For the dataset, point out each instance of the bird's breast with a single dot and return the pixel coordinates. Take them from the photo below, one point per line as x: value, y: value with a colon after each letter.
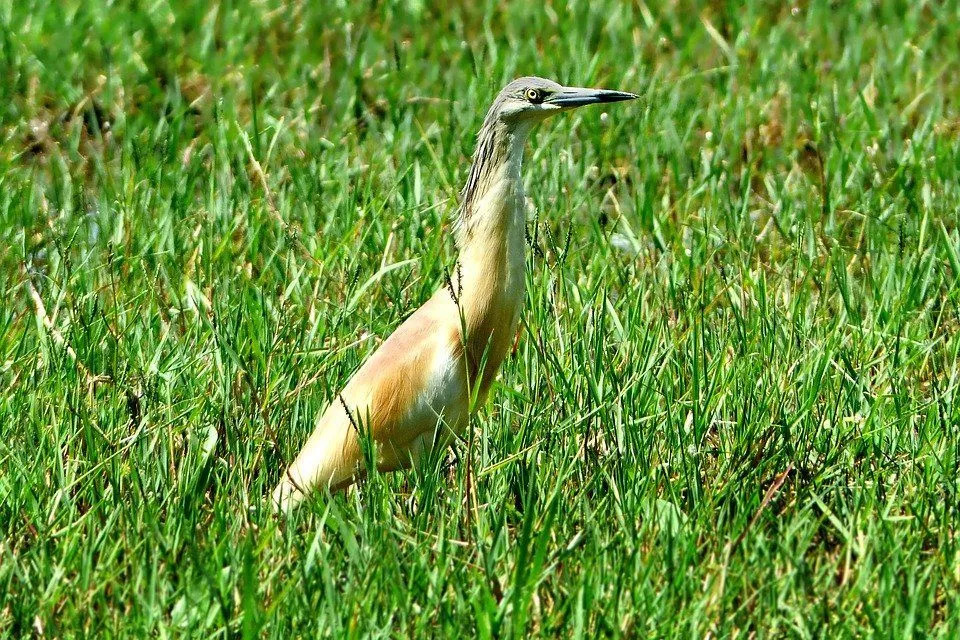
x: 490, y: 278
x: 491, y: 302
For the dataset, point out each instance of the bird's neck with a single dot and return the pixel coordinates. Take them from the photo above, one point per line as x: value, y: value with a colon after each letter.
x: 489, y: 283
x: 491, y: 202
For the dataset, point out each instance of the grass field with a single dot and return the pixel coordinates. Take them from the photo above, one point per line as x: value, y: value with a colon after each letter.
x: 734, y: 408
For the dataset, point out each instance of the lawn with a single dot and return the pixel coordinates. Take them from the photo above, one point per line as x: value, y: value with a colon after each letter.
x: 734, y: 407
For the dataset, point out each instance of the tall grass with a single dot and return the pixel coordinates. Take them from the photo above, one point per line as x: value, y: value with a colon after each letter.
x: 733, y: 408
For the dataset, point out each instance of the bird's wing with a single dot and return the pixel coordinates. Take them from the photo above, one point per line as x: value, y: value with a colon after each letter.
x: 399, y: 394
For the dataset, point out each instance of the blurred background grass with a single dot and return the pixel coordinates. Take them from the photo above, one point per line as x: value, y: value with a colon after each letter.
x: 733, y: 408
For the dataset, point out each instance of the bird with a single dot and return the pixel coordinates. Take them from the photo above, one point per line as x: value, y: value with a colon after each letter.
x: 417, y: 390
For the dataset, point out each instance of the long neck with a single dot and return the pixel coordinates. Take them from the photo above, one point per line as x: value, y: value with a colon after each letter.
x: 496, y: 166
x: 490, y: 267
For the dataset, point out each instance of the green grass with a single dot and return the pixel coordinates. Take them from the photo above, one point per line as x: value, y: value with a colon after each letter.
x: 734, y: 406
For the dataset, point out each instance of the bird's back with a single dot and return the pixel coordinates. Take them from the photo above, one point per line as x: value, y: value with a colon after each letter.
x: 414, y: 384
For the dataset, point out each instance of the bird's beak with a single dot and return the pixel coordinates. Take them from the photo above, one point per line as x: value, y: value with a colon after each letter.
x: 570, y: 97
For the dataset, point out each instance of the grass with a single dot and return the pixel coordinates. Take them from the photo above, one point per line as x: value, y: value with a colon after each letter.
x: 733, y: 410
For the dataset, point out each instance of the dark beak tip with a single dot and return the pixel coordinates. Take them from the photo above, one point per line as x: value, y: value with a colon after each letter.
x: 619, y: 96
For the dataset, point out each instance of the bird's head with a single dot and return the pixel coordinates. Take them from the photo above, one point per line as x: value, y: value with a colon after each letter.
x: 532, y: 99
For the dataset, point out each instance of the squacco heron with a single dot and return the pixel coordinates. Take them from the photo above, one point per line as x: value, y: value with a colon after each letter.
x: 418, y: 388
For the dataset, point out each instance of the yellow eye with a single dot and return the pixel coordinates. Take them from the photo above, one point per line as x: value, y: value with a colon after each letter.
x: 534, y: 96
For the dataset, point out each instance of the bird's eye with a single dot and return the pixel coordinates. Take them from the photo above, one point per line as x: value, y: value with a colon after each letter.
x: 534, y: 96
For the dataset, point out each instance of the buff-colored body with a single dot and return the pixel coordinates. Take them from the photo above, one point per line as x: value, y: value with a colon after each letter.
x: 417, y: 389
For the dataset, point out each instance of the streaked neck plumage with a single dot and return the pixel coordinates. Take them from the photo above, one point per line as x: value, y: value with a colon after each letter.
x: 497, y: 157
x: 490, y: 267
